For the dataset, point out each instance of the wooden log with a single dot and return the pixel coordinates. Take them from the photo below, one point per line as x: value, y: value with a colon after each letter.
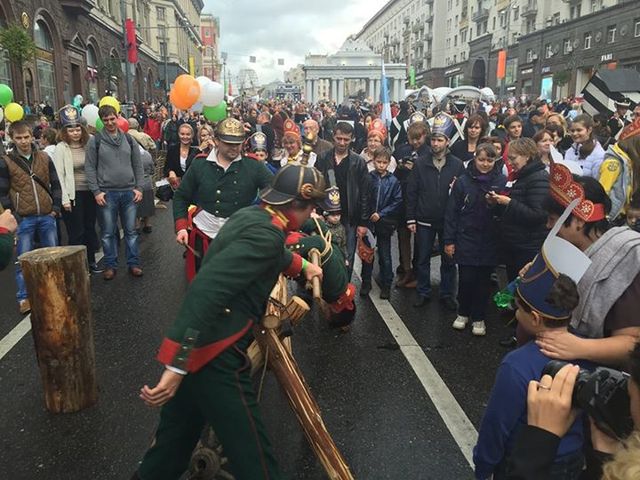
x: 296, y: 309
x: 314, y: 255
x: 57, y: 280
x: 303, y: 404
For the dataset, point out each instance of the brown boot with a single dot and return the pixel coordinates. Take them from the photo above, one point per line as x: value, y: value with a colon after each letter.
x: 410, y: 280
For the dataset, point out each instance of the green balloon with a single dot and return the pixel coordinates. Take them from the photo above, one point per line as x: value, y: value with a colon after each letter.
x: 217, y: 113
x: 99, y: 124
x: 6, y: 95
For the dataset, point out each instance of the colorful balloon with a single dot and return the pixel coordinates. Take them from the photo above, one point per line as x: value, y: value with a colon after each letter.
x: 13, y: 112
x: 90, y: 114
x: 6, y: 95
x: 110, y: 101
x: 99, y: 125
x: 77, y: 101
x: 212, y: 94
x: 217, y: 113
x: 1, y: 114
x: 122, y: 124
x: 185, y: 92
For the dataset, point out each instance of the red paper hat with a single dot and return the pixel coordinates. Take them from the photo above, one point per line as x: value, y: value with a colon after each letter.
x: 290, y: 128
x: 631, y: 130
x: 564, y: 189
x: 378, y: 128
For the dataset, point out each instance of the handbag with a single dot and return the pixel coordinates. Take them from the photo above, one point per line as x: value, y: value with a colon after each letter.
x: 164, y: 193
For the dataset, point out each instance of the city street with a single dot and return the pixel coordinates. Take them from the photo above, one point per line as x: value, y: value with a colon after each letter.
x: 397, y: 391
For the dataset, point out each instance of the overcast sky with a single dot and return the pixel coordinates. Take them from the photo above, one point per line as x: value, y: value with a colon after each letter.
x: 285, y: 29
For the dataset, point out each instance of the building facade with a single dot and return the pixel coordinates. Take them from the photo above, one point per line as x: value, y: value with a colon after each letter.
x: 455, y: 42
x: 80, y: 48
x: 210, y: 35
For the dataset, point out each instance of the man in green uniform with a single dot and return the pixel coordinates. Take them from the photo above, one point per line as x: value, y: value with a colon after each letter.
x: 8, y: 226
x: 207, y: 374
x: 218, y: 185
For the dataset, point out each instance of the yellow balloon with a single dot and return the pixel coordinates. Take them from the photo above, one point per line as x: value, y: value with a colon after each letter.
x: 110, y: 101
x: 13, y: 112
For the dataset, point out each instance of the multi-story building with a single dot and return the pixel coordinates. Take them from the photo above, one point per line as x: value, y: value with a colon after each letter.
x: 454, y: 42
x: 80, y: 48
x: 210, y: 35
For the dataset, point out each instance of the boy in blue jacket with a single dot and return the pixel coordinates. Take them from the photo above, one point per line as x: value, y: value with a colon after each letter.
x: 545, y: 298
x: 385, y: 201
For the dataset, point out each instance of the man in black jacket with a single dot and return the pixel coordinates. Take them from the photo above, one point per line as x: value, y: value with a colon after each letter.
x: 427, y: 192
x: 352, y: 179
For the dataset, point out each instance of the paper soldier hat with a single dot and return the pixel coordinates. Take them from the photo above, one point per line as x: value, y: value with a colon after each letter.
x: 625, y: 102
x: 258, y: 141
x: 69, y: 116
x: 564, y: 189
x: 230, y: 130
x: 378, y: 128
x: 290, y: 128
x: 294, y: 182
x: 557, y: 256
x: 331, y: 203
x: 442, y: 125
x: 417, y: 117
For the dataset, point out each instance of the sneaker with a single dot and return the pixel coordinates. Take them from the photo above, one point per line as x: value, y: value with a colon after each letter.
x: 24, y: 306
x: 94, y: 268
x: 479, y: 329
x: 365, y: 288
x: 384, y: 293
x: 460, y: 322
x: 421, y: 301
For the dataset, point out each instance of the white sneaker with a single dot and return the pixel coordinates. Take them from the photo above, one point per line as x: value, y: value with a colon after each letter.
x: 460, y: 322
x: 479, y: 329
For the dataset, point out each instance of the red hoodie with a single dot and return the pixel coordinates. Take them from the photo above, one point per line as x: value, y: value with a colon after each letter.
x: 152, y: 128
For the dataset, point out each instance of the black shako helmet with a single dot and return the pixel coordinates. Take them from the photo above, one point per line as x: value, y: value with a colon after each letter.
x: 294, y: 182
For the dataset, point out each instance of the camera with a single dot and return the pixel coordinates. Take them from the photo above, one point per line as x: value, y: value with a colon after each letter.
x: 603, y: 395
x: 409, y: 161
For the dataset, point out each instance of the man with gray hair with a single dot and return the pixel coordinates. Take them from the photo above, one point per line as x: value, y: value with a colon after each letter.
x: 142, y: 138
x: 320, y: 146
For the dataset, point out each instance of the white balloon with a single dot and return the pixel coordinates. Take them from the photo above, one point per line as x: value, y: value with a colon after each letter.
x: 197, y: 107
x: 211, y: 94
x: 90, y: 114
x: 1, y: 114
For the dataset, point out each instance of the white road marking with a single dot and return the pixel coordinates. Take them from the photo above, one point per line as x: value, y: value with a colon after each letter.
x: 12, y: 338
x: 454, y: 417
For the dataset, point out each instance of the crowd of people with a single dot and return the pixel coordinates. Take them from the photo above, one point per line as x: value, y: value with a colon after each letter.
x: 481, y: 185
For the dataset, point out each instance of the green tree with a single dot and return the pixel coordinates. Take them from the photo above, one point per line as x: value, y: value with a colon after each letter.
x: 561, y: 78
x: 18, y: 43
x: 110, y: 68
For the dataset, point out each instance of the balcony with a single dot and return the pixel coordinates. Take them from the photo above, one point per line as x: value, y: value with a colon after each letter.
x: 481, y: 15
x: 78, y: 7
x: 464, y: 23
x: 530, y: 10
x: 428, y: 37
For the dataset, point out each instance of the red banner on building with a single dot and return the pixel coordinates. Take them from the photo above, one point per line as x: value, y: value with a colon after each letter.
x: 502, y: 65
x: 132, y: 46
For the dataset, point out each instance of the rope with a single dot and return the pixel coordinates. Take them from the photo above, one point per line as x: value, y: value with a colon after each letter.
x: 327, y: 237
x: 264, y: 372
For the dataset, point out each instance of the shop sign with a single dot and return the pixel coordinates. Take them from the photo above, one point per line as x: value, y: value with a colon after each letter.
x: 526, y: 71
x: 452, y: 71
x: 606, y: 57
x: 546, y: 69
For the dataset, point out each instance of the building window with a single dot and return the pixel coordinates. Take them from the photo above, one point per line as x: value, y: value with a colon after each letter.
x: 92, y: 70
x: 567, y: 47
x: 44, y: 63
x: 611, y: 34
x: 455, y: 40
x: 596, y: 5
x: 160, y: 13
x: 636, y: 31
x: 587, y: 40
x: 529, y: 55
x: 548, y: 51
x: 5, y: 68
x: 575, y: 11
x: 207, y: 32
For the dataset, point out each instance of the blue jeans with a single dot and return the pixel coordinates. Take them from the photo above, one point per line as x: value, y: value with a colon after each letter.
x: 119, y: 204
x: 425, y: 238
x: 46, y: 228
x: 384, y: 261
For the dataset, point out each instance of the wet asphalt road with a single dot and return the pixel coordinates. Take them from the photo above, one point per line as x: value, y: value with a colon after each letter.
x: 373, y: 403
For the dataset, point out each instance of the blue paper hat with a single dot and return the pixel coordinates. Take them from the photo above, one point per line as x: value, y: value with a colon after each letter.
x: 556, y: 257
x: 69, y: 116
x: 417, y: 117
x: 331, y: 202
x: 443, y: 125
x: 258, y: 141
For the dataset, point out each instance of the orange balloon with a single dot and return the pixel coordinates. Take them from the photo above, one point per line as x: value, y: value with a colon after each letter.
x: 185, y: 92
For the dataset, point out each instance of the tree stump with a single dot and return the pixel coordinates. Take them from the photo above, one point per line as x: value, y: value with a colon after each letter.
x: 57, y: 280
